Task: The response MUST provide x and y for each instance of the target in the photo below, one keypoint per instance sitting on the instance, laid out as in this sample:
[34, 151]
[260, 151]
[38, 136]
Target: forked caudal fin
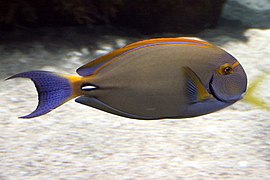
[53, 90]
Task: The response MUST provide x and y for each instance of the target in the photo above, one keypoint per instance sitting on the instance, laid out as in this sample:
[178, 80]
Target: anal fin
[96, 103]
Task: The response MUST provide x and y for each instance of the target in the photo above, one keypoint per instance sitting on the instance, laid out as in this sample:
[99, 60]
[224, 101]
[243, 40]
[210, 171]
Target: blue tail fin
[53, 90]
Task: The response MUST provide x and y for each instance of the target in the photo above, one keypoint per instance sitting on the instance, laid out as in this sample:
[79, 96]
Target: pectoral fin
[195, 89]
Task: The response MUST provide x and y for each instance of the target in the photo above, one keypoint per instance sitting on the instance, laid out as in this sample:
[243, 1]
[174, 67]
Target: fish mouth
[242, 95]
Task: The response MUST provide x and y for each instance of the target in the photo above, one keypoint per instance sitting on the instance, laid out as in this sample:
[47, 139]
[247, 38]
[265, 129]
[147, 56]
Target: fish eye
[225, 69]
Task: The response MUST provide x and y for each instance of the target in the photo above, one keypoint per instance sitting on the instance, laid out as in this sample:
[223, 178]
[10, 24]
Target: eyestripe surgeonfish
[150, 79]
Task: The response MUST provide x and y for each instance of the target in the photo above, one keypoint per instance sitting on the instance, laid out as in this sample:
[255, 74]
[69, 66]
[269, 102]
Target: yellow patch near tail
[76, 82]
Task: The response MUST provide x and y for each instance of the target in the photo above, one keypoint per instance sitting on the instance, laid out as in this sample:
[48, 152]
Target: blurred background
[145, 16]
[75, 141]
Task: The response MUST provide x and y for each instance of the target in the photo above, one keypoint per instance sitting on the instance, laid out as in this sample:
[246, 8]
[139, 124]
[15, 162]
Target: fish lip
[243, 94]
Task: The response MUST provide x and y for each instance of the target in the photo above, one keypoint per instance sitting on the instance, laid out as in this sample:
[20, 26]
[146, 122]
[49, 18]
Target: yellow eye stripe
[222, 68]
[235, 64]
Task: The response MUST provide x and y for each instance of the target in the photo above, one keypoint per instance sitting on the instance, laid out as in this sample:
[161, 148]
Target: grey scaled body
[149, 83]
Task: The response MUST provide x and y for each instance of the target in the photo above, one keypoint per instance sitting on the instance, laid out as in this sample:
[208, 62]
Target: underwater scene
[135, 90]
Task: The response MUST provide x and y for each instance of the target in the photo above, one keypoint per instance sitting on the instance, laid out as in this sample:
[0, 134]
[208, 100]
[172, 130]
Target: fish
[152, 79]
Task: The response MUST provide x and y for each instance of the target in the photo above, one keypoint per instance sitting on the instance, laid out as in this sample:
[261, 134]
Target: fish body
[151, 79]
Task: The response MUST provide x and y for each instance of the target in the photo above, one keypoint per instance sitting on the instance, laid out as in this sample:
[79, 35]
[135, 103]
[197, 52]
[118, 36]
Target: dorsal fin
[93, 66]
[179, 40]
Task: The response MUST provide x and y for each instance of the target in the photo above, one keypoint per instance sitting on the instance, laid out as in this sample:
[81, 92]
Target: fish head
[229, 80]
